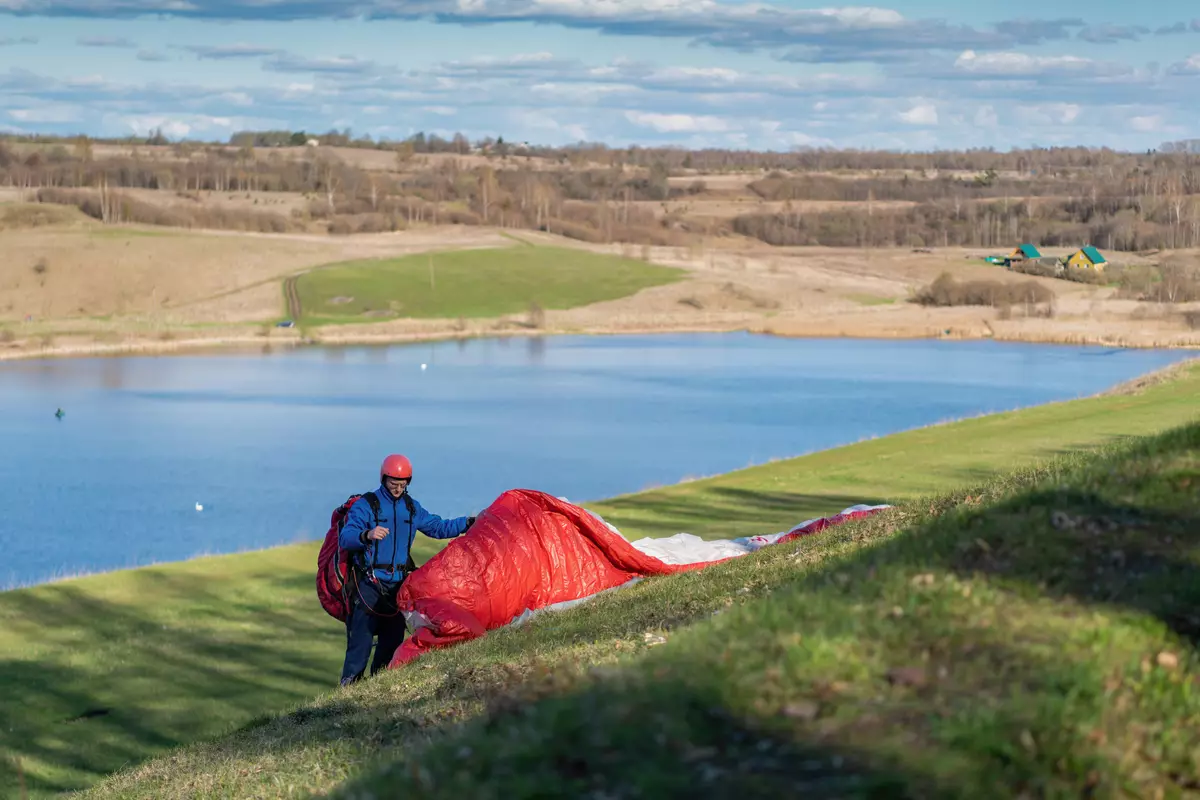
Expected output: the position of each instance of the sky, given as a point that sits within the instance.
(776, 75)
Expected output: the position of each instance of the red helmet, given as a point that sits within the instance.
(396, 466)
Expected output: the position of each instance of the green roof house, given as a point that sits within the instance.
(1023, 252)
(1087, 258)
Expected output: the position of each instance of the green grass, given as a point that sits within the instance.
(871, 299)
(903, 466)
(1033, 636)
(184, 652)
(165, 654)
(472, 283)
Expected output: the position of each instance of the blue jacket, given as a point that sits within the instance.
(388, 557)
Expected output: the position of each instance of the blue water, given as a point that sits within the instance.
(270, 443)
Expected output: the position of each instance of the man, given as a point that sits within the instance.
(380, 544)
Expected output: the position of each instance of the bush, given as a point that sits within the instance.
(137, 211)
(1173, 282)
(949, 291)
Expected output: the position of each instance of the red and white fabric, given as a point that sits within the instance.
(529, 552)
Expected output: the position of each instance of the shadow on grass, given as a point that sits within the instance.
(108, 684)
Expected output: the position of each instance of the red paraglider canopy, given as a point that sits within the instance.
(529, 550)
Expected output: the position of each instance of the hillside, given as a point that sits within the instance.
(1032, 635)
(108, 679)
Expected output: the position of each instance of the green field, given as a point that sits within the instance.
(471, 283)
(107, 671)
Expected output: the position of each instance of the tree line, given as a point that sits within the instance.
(1121, 201)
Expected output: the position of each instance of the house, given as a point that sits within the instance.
(1023, 252)
(1087, 258)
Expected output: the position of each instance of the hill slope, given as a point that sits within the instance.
(1036, 634)
(111, 670)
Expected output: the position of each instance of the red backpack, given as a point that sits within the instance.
(334, 563)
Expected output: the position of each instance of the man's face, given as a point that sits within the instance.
(395, 486)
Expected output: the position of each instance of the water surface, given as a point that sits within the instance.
(270, 443)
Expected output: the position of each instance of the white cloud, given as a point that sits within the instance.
(240, 99)
(921, 114)
(47, 114)
(678, 123)
(1014, 64)
(1189, 67)
(985, 117)
(349, 65)
(1147, 124)
(178, 126)
(1049, 114)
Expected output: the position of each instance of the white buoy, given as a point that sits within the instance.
(199, 507)
(423, 367)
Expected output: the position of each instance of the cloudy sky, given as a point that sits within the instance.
(914, 74)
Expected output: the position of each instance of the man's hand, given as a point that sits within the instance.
(377, 533)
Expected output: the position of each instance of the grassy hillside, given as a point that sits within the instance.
(103, 671)
(471, 283)
(1033, 636)
(110, 670)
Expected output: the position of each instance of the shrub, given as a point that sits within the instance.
(949, 291)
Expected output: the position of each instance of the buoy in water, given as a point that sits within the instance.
(423, 367)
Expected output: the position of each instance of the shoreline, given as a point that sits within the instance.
(229, 344)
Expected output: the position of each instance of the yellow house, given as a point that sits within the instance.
(1087, 258)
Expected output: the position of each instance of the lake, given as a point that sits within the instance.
(270, 443)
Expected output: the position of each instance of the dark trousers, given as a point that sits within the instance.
(362, 627)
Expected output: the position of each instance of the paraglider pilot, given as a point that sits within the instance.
(381, 543)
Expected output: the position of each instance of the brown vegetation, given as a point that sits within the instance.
(1035, 298)
(782, 242)
(1053, 197)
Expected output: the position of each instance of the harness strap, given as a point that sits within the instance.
(409, 565)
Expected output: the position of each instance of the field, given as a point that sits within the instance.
(119, 668)
(200, 245)
(471, 283)
(70, 285)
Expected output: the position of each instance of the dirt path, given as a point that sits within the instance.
(293, 298)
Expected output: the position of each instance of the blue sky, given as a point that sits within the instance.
(915, 75)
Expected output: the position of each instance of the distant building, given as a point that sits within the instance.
(1023, 252)
(1087, 258)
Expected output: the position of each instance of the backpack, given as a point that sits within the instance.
(334, 563)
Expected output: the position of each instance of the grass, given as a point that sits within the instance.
(106, 670)
(38, 215)
(1033, 636)
(871, 299)
(472, 283)
(903, 466)
(109, 671)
